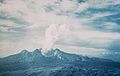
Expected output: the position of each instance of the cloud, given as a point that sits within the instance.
(83, 34)
(114, 45)
(10, 26)
(103, 3)
(90, 39)
(100, 15)
(66, 7)
(53, 33)
(111, 26)
(108, 23)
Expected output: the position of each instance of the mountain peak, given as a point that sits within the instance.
(24, 51)
(53, 52)
(37, 50)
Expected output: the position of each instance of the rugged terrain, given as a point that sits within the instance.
(56, 63)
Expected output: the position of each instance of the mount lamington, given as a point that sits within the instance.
(56, 63)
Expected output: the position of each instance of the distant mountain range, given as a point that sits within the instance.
(56, 63)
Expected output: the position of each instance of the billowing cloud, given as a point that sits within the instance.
(53, 33)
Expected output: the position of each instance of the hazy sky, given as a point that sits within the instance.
(93, 25)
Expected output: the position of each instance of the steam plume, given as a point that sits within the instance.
(53, 33)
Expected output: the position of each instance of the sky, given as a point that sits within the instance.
(89, 27)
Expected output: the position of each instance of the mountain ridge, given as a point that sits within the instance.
(53, 53)
(56, 63)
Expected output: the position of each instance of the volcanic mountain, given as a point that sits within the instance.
(56, 63)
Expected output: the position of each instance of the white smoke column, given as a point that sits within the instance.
(53, 33)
